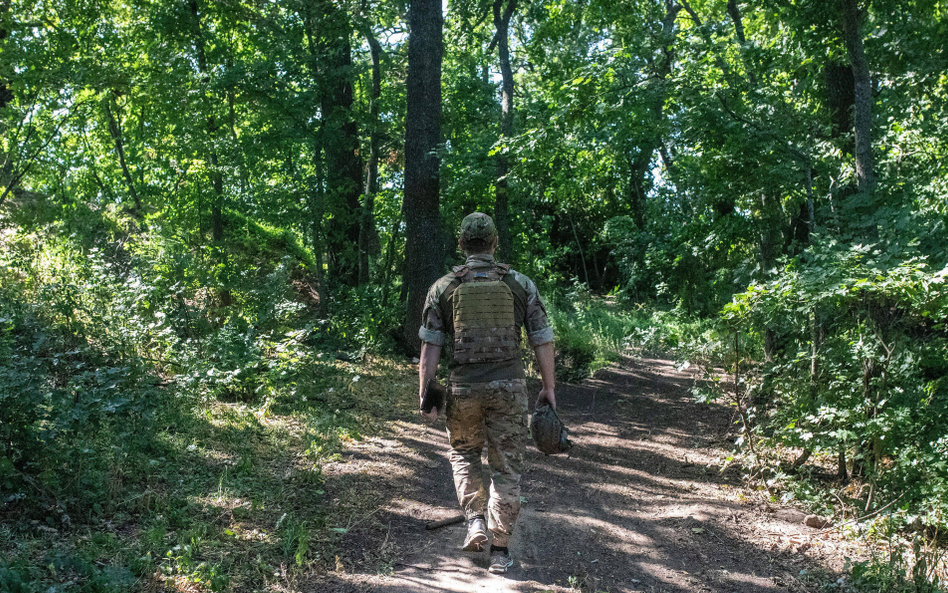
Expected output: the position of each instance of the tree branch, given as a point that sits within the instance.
(32, 158)
(796, 153)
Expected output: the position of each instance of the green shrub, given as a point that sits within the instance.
(855, 366)
(77, 404)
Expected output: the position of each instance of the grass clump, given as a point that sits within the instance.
(592, 331)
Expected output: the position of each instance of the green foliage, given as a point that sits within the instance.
(661, 159)
(77, 404)
(857, 349)
(71, 573)
(593, 331)
(906, 566)
(695, 268)
(295, 536)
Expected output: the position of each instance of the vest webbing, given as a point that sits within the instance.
(484, 314)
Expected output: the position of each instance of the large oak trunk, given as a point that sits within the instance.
(424, 248)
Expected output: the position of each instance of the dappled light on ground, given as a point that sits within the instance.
(640, 505)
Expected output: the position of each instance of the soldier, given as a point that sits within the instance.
(483, 305)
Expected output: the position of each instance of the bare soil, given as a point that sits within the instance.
(640, 504)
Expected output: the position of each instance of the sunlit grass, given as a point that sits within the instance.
(237, 500)
(593, 331)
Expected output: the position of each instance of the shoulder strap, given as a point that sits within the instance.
(519, 292)
(444, 301)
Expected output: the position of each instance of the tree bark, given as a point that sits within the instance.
(327, 29)
(735, 13)
(368, 235)
(502, 186)
(852, 17)
(217, 181)
(637, 184)
(840, 98)
(317, 199)
(6, 95)
(424, 249)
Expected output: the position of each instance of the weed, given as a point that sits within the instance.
(295, 538)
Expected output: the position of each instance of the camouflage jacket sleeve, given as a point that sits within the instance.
(536, 323)
(433, 329)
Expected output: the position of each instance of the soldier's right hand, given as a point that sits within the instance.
(430, 416)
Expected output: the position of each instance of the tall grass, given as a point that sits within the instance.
(593, 331)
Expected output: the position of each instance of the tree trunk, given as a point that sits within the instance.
(771, 238)
(327, 29)
(217, 181)
(639, 165)
(6, 95)
(368, 236)
(840, 98)
(389, 264)
(862, 97)
(502, 185)
(638, 185)
(424, 249)
(115, 130)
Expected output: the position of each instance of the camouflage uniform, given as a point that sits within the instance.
(487, 402)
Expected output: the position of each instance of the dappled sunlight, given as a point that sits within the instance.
(640, 504)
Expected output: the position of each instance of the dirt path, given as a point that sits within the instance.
(639, 505)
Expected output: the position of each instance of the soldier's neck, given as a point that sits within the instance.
(480, 258)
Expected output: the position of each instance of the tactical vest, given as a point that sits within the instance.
(485, 325)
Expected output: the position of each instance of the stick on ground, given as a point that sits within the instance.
(444, 522)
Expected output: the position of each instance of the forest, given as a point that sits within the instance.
(219, 221)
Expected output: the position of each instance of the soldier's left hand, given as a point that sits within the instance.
(430, 416)
(547, 394)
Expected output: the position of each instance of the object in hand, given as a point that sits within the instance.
(548, 432)
(433, 397)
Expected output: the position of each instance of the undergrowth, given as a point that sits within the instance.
(593, 331)
(165, 415)
(837, 373)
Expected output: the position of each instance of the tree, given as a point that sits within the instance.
(424, 249)
(213, 159)
(852, 19)
(368, 236)
(502, 16)
(328, 29)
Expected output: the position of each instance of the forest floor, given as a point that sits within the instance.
(640, 504)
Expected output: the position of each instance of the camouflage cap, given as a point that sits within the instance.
(478, 225)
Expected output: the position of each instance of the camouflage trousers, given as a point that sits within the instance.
(494, 414)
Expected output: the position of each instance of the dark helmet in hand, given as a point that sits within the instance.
(548, 432)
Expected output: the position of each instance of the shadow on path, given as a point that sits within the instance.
(641, 503)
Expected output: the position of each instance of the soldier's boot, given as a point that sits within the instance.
(476, 534)
(500, 560)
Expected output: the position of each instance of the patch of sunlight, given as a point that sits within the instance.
(619, 537)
